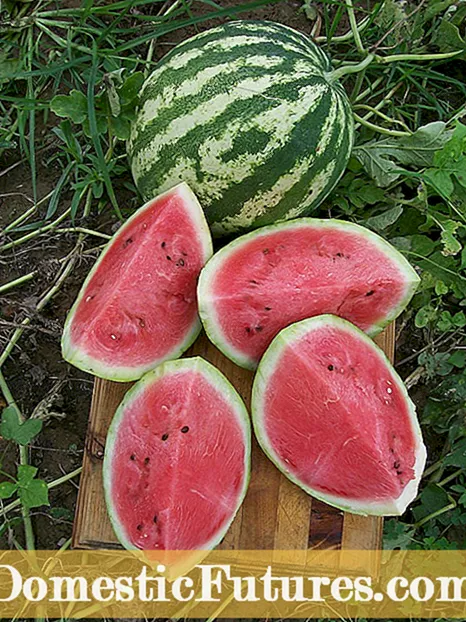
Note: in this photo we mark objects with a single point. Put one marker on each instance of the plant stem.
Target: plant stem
(344, 70)
(416, 57)
(450, 477)
(381, 115)
(40, 305)
(37, 232)
(426, 519)
(378, 128)
(370, 90)
(25, 215)
(348, 35)
(354, 27)
(85, 231)
(24, 460)
(21, 279)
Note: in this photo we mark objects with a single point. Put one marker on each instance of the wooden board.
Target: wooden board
(276, 514)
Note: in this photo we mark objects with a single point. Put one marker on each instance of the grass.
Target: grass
(402, 66)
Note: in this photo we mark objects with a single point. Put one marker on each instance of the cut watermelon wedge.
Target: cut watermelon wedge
(268, 279)
(333, 415)
(177, 460)
(138, 307)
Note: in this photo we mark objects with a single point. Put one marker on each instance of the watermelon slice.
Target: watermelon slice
(333, 415)
(268, 279)
(177, 459)
(138, 308)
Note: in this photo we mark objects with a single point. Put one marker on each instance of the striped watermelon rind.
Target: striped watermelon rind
(81, 359)
(206, 300)
(247, 113)
(267, 366)
(218, 380)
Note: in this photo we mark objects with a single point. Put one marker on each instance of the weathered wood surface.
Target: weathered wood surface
(276, 514)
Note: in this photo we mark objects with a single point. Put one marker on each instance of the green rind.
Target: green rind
(260, 187)
(206, 300)
(219, 381)
(80, 359)
(261, 382)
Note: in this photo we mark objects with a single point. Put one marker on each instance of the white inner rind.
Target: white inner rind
(266, 369)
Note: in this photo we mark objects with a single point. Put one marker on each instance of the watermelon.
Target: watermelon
(333, 415)
(270, 278)
(250, 115)
(177, 460)
(138, 305)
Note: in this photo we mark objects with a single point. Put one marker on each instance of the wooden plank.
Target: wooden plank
(276, 514)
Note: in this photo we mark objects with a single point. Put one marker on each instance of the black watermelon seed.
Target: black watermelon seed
(248, 330)
(139, 527)
(164, 437)
(396, 465)
(330, 368)
(268, 308)
(127, 242)
(146, 460)
(155, 519)
(169, 258)
(266, 251)
(181, 262)
(163, 245)
(132, 457)
(185, 429)
(370, 292)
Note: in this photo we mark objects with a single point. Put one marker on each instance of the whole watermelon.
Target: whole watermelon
(249, 116)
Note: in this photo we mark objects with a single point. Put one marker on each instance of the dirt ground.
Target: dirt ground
(36, 373)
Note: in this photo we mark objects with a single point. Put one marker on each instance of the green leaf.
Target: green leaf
(458, 359)
(72, 106)
(7, 489)
(382, 158)
(385, 219)
(445, 322)
(422, 244)
(13, 430)
(432, 498)
(443, 268)
(436, 364)
(440, 288)
(424, 316)
(120, 127)
(440, 180)
(34, 494)
(459, 319)
(449, 39)
(457, 457)
(131, 87)
(26, 474)
(397, 535)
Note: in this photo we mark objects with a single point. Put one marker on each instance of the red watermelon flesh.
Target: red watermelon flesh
(278, 275)
(333, 414)
(177, 459)
(138, 306)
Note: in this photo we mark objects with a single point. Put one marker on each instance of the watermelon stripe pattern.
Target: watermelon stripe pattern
(248, 115)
